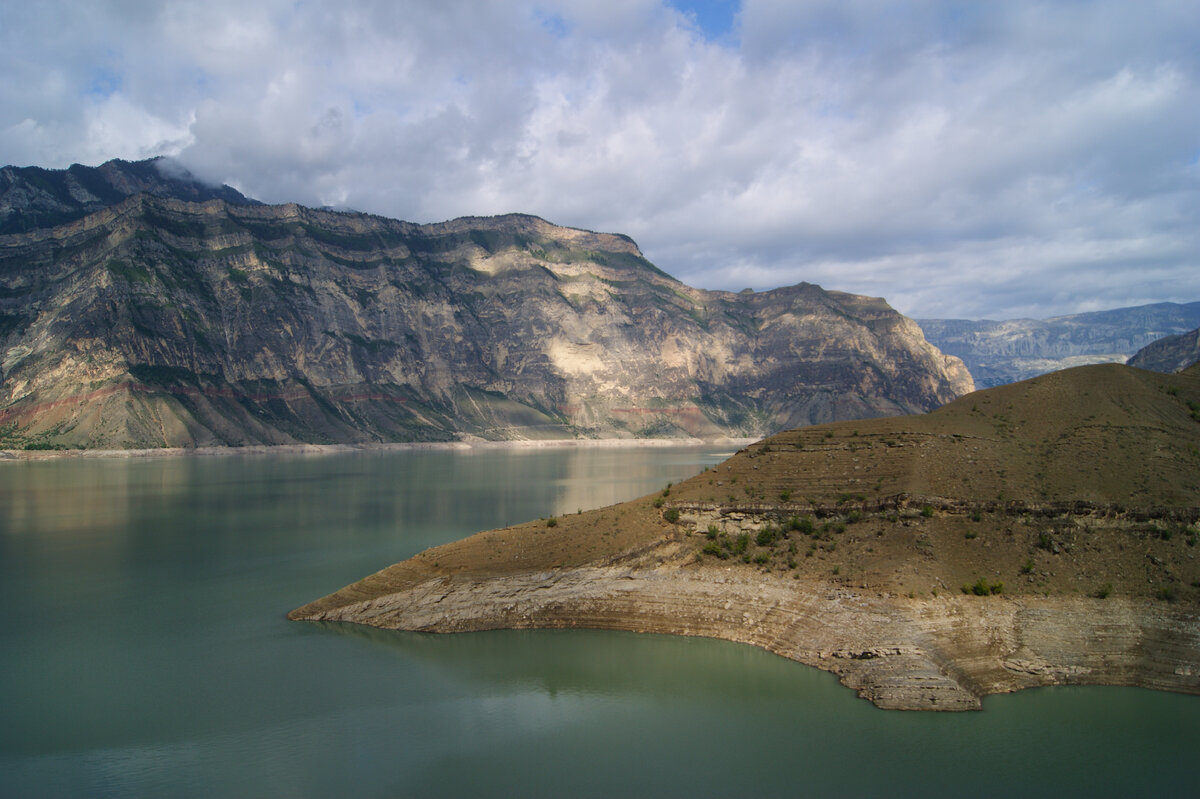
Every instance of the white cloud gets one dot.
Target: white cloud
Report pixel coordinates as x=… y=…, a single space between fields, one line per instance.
x=959 y=159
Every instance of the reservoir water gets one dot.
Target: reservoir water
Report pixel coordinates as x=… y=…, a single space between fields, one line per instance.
x=144 y=652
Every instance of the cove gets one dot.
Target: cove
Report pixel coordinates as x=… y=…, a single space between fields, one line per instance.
x=145 y=652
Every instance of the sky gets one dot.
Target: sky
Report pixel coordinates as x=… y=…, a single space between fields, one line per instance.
x=969 y=159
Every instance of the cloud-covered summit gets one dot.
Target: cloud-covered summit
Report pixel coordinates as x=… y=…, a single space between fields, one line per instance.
x=960 y=159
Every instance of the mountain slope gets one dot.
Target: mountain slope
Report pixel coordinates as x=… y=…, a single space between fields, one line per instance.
x=1038 y=533
x=1169 y=354
x=157 y=322
x=1005 y=352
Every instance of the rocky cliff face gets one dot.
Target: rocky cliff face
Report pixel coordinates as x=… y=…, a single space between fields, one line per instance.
x=158 y=322
x=1005 y=352
x=1169 y=354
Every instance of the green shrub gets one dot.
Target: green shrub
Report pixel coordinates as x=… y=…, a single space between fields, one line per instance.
x=712 y=531
x=971 y=534
x=671 y=515
x=927 y=511
x=767 y=535
x=803 y=524
x=1167 y=593
x=1103 y=591
x=762 y=557
x=713 y=548
x=552 y=522
x=785 y=495
x=983 y=588
x=658 y=502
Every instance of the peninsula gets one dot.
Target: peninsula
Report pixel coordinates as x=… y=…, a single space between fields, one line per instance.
x=1039 y=533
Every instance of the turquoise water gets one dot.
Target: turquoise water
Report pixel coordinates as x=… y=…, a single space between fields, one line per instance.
x=144 y=652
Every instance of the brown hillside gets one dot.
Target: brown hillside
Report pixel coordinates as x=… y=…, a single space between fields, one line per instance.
x=928 y=539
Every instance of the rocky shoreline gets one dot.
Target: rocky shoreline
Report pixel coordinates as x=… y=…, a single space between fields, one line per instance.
x=464 y=444
x=944 y=653
x=1043 y=533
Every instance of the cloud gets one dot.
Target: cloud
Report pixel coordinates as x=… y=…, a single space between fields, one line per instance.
x=1024 y=158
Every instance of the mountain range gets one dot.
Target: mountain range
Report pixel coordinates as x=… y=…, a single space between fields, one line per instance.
x=998 y=352
x=140 y=308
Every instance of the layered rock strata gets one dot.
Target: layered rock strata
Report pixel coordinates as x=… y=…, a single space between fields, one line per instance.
x=156 y=322
x=899 y=653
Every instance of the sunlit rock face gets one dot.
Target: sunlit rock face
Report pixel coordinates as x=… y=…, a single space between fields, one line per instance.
x=157 y=322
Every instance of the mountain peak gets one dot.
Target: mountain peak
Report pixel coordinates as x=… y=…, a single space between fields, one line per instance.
x=32 y=197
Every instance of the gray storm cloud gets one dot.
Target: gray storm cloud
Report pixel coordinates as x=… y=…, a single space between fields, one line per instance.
x=975 y=160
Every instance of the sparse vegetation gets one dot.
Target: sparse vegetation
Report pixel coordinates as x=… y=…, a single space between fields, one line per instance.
x=802 y=524
x=767 y=536
x=982 y=587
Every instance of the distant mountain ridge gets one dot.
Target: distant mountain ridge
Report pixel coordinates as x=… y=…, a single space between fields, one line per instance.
x=160 y=322
x=1008 y=351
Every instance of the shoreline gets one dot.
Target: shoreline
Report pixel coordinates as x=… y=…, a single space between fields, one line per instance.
x=941 y=654
x=462 y=445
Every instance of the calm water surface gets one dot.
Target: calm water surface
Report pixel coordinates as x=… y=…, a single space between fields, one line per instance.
x=144 y=652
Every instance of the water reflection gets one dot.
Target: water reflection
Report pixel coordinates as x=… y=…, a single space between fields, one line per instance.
x=595 y=663
x=145 y=652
